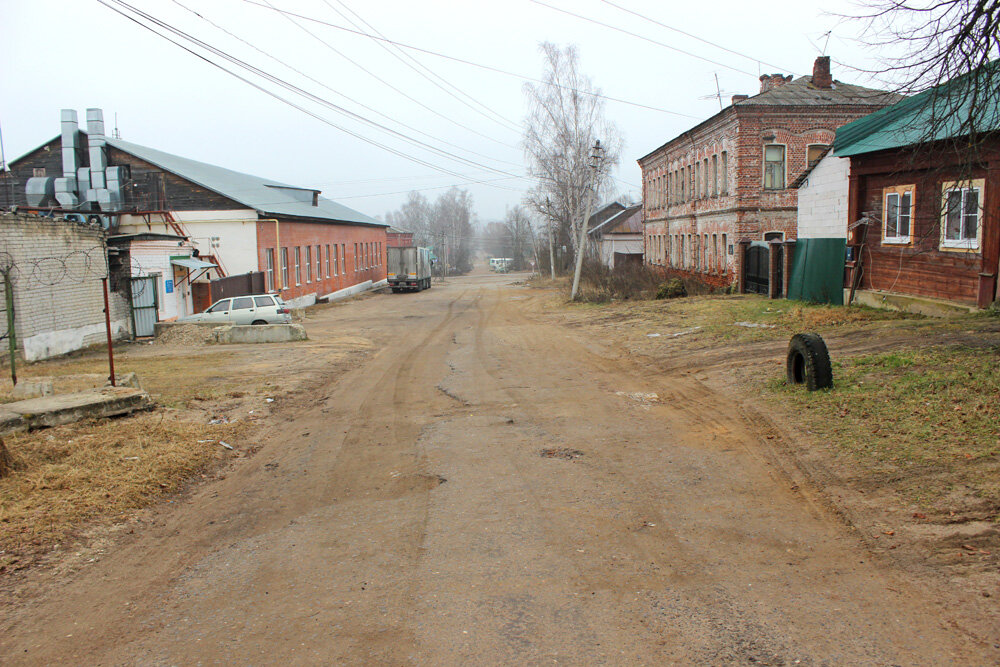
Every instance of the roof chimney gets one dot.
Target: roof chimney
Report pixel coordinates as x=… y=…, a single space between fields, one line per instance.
x=739 y=98
x=821 y=73
x=769 y=81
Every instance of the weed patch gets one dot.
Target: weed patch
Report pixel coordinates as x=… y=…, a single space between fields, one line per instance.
x=927 y=418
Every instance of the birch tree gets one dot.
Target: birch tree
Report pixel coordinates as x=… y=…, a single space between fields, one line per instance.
x=565 y=118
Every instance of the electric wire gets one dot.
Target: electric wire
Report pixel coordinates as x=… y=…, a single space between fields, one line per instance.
x=642 y=37
x=364 y=106
x=274 y=95
x=383 y=81
x=470 y=63
x=692 y=36
x=402 y=56
x=291 y=87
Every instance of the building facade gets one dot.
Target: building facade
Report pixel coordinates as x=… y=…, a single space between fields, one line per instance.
x=238 y=222
x=923 y=211
x=724 y=186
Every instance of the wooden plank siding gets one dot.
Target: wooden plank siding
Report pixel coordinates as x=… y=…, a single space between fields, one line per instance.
x=921 y=267
x=148 y=188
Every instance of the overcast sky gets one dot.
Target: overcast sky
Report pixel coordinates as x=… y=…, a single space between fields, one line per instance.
x=78 y=54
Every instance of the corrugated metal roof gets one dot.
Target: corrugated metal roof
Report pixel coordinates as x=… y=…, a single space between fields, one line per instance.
x=943 y=112
x=264 y=195
x=628 y=221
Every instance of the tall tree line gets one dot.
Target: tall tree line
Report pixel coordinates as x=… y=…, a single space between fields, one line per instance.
x=446 y=225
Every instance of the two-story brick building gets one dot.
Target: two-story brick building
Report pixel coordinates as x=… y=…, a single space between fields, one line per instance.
x=718 y=195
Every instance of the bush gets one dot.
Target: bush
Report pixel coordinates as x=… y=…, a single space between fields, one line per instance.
x=630 y=280
x=671 y=289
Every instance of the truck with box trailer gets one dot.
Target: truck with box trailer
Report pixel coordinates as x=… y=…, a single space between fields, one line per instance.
x=409 y=269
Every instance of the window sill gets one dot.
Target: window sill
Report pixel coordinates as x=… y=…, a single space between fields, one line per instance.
x=959 y=246
x=896 y=241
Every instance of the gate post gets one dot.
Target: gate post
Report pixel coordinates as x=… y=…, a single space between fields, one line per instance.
x=741 y=265
x=773 y=269
x=787 y=275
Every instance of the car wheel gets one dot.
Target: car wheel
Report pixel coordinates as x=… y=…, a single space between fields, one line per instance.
x=258 y=322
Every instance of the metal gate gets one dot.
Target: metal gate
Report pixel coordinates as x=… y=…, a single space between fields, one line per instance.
x=756 y=269
x=144 y=306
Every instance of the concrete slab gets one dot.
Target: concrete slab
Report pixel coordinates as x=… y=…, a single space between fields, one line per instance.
x=909 y=304
x=30 y=388
x=263 y=333
x=68 y=408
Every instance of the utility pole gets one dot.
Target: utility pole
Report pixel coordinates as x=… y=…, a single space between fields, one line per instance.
x=595 y=166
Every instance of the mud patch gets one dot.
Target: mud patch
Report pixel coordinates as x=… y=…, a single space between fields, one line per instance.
x=564 y=453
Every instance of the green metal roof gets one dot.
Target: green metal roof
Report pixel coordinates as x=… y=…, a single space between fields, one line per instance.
x=943 y=112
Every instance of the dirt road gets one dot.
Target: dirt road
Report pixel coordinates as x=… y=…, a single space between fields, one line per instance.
x=490 y=489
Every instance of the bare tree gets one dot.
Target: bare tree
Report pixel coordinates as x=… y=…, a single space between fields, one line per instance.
x=564 y=121
x=946 y=50
x=453 y=224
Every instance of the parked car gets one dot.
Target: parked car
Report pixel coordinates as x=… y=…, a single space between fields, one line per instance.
x=252 y=309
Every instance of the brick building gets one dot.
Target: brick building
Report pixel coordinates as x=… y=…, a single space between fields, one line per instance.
x=716 y=196
x=56 y=266
x=306 y=245
x=396 y=237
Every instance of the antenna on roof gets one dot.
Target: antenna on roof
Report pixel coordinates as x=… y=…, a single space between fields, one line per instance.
x=115 y=133
x=827 y=34
x=717 y=94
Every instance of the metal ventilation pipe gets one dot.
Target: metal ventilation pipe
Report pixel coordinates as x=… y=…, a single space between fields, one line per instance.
x=98 y=156
x=66 y=187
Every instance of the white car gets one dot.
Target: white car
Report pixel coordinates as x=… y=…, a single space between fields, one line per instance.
x=252 y=309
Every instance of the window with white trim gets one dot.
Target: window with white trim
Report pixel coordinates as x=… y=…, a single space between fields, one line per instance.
x=897 y=214
x=961 y=214
x=269 y=258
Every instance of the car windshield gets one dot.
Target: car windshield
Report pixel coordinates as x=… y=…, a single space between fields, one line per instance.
x=219 y=306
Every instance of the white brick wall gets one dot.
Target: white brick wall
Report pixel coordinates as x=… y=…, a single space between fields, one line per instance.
x=823 y=200
x=58 y=296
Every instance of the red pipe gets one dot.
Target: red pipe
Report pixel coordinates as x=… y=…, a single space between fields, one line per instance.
x=107 y=326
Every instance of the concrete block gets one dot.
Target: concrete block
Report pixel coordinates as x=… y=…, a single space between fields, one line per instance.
x=264 y=333
x=32 y=387
x=126 y=380
x=68 y=408
x=909 y=304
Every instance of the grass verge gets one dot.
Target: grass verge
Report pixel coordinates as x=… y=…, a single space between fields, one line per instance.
x=65 y=476
x=925 y=422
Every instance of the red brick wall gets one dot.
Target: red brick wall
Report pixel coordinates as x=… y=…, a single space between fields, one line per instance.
x=747 y=211
x=344 y=236
x=399 y=239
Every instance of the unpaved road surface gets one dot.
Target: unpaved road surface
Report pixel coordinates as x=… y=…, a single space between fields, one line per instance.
x=489 y=489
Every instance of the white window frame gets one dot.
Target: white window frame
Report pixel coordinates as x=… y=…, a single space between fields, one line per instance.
x=897 y=191
x=269 y=268
x=968 y=244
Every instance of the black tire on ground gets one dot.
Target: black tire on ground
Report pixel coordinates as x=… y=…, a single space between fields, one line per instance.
x=809 y=362
x=258 y=322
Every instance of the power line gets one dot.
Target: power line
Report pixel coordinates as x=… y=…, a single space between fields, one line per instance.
x=489 y=68
x=692 y=36
x=642 y=37
x=400 y=54
x=337 y=92
x=380 y=79
x=279 y=97
x=291 y=87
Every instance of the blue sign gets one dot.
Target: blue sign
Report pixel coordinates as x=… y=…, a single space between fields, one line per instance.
x=169 y=285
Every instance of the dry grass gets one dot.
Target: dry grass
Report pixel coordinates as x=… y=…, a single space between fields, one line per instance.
x=67 y=475
x=924 y=422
